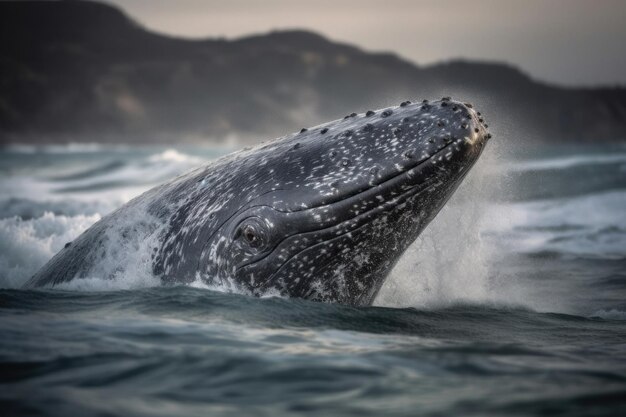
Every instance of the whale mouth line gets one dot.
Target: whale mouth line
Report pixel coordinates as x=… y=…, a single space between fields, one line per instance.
x=341 y=197
x=384 y=205
x=370 y=186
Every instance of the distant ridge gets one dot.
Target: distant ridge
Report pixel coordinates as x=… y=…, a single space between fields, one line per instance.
x=84 y=71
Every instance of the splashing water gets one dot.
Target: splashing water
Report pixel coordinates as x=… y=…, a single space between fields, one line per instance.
x=449 y=262
x=26 y=245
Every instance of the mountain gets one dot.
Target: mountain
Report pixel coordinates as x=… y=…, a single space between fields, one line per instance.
x=84 y=71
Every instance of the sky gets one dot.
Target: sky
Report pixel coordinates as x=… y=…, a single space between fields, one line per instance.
x=566 y=42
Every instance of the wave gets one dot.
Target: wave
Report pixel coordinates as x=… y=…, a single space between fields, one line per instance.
x=282 y=356
x=611 y=314
x=565 y=162
x=107 y=180
x=198 y=304
x=89 y=172
x=149 y=170
x=172 y=155
x=72 y=147
x=588 y=225
x=25 y=245
x=557 y=178
x=27 y=209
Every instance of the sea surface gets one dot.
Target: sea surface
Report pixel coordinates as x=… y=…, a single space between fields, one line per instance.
x=512 y=302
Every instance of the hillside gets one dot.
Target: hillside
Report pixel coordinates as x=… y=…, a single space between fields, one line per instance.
x=84 y=71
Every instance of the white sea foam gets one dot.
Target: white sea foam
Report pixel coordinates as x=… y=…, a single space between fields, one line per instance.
x=25 y=245
x=127 y=248
x=611 y=314
x=172 y=155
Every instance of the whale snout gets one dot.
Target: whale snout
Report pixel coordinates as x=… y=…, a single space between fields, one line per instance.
x=477 y=133
x=467 y=134
x=384 y=144
x=387 y=148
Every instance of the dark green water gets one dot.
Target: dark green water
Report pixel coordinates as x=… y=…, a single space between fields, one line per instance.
x=185 y=351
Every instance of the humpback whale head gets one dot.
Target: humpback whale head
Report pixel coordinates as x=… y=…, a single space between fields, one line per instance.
x=325 y=213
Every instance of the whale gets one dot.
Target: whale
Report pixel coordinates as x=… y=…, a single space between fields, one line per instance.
x=321 y=214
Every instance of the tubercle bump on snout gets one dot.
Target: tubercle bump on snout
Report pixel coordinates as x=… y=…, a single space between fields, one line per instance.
x=471 y=122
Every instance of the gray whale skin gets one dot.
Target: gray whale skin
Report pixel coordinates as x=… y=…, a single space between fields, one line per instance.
x=323 y=214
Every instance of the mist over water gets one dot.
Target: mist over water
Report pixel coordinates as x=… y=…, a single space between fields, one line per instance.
x=449 y=262
x=512 y=301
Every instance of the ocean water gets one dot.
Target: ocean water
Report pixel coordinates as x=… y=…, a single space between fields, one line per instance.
x=512 y=302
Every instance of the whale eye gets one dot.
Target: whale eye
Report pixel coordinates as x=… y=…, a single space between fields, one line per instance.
x=250 y=235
